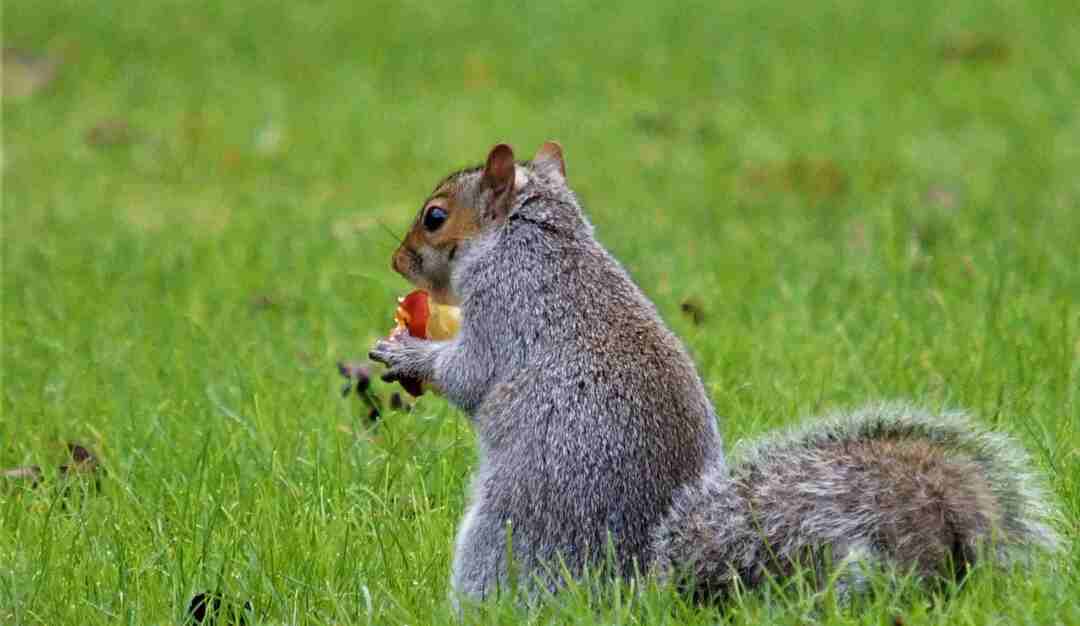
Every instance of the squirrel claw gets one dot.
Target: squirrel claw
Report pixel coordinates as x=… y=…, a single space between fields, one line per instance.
x=408 y=383
x=395 y=354
x=412 y=385
x=383 y=352
x=377 y=356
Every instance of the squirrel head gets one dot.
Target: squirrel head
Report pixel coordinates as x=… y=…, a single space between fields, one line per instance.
x=464 y=206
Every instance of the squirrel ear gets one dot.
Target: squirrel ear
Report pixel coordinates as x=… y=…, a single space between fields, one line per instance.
x=499 y=171
x=550 y=158
x=499 y=174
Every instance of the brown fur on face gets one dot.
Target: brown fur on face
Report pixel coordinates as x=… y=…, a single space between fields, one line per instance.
x=424 y=258
x=473 y=199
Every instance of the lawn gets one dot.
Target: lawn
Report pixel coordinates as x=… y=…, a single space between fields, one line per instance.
x=854 y=200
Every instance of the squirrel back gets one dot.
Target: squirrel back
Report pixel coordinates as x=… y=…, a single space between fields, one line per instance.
x=888 y=484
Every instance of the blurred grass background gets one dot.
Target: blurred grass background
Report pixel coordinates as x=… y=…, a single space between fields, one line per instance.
x=862 y=201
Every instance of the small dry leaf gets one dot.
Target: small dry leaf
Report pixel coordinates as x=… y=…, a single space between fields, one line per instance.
x=31 y=473
x=348 y=227
x=84 y=463
x=232 y=159
x=969 y=265
x=975 y=48
x=26 y=73
x=270 y=302
x=262 y=302
x=359 y=376
x=707 y=133
x=814 y=178
x=858 y=237
x=661 y=124
x=193 y=128
x=694 y=310
x=110 y=132
x=359 y=379
x=81 y=455
x=476 y=71
x=941 y=196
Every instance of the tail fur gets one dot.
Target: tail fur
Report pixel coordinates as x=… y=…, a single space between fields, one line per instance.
x=927 y=493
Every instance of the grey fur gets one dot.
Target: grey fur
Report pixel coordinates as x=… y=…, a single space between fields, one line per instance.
x=915 y=490
x=594 y=427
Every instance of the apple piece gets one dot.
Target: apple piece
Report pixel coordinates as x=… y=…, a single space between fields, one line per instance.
x=412 y=314
x=444 y=321
x=419 y=316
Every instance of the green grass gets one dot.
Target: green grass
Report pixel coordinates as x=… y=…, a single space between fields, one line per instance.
x=869 y=200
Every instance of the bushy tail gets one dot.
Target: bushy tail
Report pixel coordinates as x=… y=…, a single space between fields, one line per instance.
x=927 y=493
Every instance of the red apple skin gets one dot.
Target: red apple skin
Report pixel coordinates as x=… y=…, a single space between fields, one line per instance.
x=417 y=310
x=414 y=311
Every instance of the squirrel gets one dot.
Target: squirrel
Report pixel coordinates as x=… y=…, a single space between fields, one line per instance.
x=599 y=449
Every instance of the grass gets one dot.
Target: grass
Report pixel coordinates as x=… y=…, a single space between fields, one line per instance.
x=867 y=200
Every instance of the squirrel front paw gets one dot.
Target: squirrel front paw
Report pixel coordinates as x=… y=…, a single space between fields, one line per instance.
x=408 y=360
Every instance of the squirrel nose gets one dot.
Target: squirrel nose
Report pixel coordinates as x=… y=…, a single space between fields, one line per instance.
x=395 y=261
x=405 y=262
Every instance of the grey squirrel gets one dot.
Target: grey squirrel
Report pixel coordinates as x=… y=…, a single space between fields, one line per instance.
x=599 y=447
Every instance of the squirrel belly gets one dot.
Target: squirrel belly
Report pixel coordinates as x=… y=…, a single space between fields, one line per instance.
x=889 y=483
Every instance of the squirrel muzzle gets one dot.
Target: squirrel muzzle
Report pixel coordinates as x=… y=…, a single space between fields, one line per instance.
x=406 y=262
x=429 y=271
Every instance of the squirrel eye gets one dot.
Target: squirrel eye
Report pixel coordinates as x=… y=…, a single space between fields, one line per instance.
x=434 y=218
